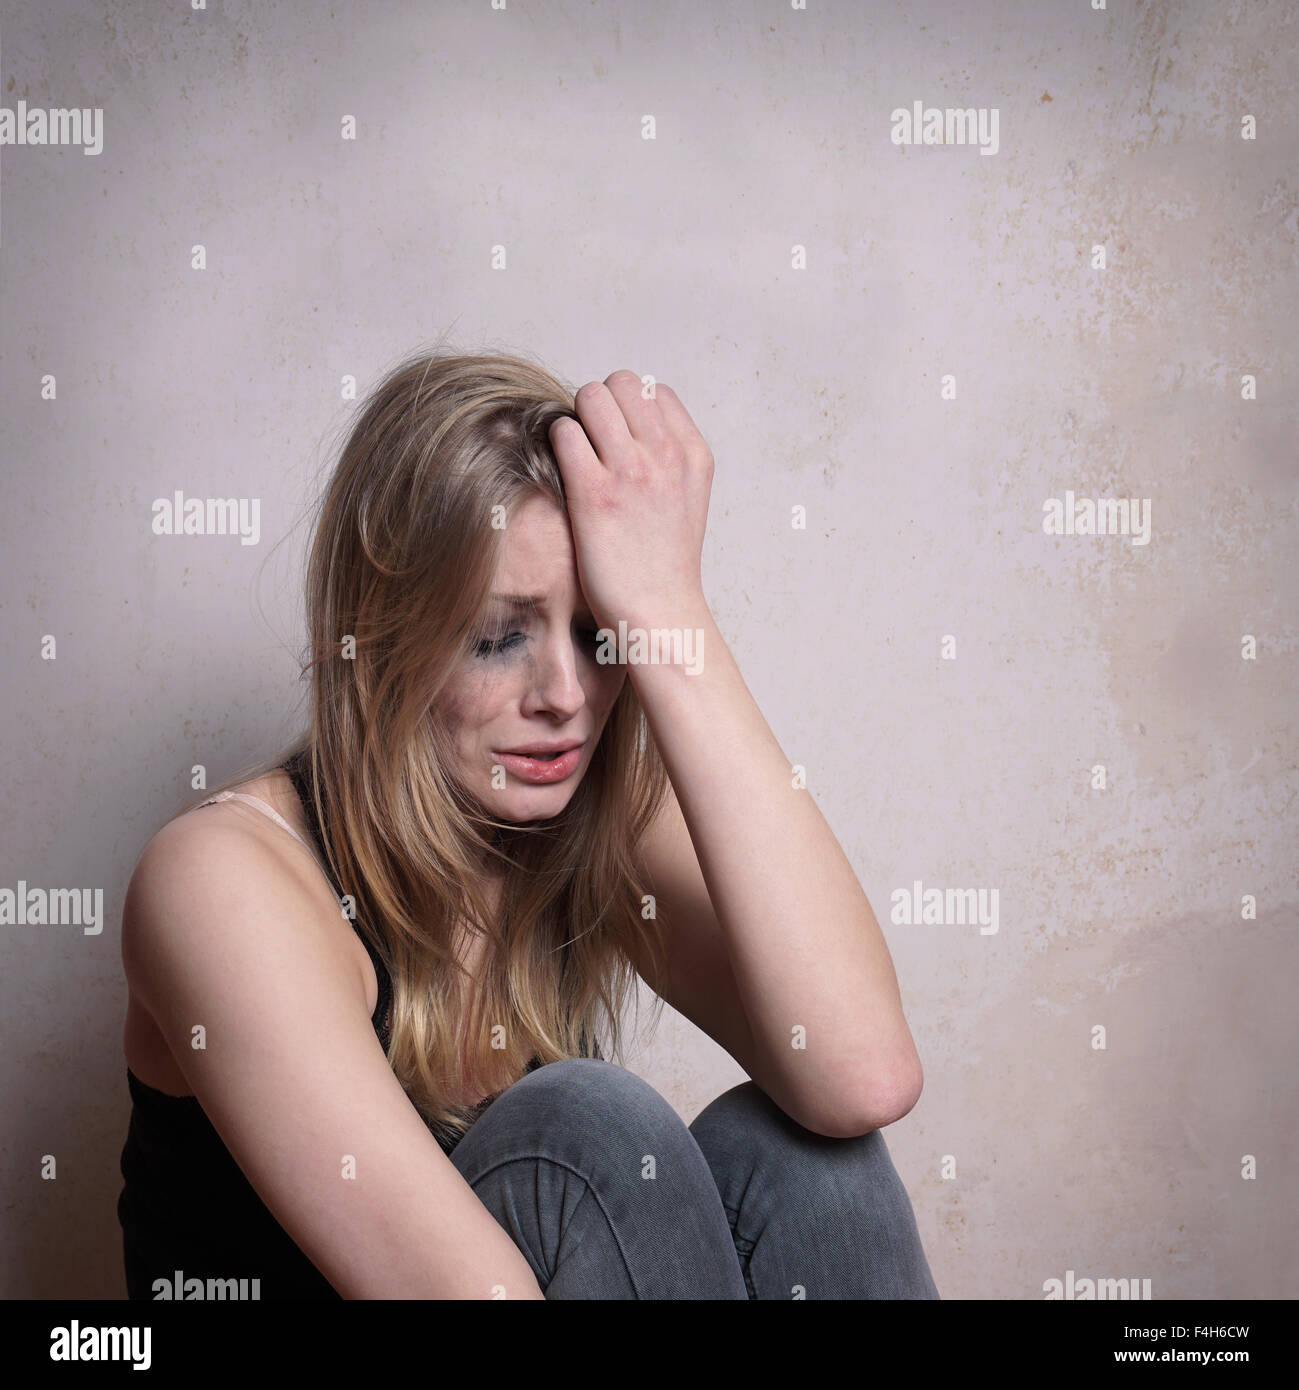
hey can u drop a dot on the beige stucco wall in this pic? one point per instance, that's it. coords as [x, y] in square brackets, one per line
[819, 387]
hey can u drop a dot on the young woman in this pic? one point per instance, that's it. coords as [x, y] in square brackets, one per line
[367, 984]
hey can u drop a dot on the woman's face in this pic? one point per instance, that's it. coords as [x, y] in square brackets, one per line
[532, 682]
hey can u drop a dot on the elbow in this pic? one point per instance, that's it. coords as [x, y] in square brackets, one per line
[883, 1104]
[889, 1109]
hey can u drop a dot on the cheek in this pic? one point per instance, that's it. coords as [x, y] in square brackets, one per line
[475, 699]
[467, 706]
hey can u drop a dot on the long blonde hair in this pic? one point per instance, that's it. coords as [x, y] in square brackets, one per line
[400, 568]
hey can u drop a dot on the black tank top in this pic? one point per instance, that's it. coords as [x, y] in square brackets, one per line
[186, 1205]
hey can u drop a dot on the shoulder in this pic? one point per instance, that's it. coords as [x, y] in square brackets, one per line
[221, 879]
[217, 845]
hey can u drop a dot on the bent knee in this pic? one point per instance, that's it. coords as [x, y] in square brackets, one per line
[609, 1106]
[581, 1084]
[745, 1123]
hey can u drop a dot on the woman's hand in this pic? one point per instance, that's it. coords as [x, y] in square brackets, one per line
[637, 476]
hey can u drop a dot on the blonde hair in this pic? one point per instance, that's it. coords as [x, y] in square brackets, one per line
[401, 563]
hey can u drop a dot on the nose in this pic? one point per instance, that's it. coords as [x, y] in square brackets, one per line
[557, 687]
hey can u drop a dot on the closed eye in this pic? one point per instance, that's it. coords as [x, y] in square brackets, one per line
[491, 646]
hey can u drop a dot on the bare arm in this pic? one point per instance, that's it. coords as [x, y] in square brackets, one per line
[803, 944]
[812, 972]
[216, 934]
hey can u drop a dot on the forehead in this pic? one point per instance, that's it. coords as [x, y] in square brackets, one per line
[536, 555]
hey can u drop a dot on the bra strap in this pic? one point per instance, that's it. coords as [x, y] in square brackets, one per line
[262, 806]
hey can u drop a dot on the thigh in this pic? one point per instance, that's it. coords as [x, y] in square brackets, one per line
[600, 1184]
[812, 1217]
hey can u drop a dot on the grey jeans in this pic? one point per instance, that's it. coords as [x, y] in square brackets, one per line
[609, 1194]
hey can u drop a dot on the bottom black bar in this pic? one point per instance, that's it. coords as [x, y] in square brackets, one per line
[1053, 1340]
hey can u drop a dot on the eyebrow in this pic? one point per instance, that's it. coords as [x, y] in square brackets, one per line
[531, 602]
[521, 600]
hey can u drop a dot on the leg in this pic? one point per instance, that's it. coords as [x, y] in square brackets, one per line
[598, 1182]
[812, 1217]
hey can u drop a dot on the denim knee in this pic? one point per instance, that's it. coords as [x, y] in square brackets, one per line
[604, 1124]
[597, 1105]
[599, 1181]
[817, 1217]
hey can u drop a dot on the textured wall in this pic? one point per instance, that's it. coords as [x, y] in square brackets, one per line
[949, 356]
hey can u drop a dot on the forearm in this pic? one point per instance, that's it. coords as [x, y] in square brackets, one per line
[809, 960]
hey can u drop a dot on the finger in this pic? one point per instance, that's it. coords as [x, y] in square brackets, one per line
[641, 413]
[677, 418]
[573, 452]
[603, 421]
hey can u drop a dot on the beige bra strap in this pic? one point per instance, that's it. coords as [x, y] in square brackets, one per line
[279, 820]
[261, 806]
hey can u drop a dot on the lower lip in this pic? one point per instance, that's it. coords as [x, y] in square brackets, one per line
[542, 770]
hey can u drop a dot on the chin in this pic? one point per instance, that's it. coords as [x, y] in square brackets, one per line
[522, 804]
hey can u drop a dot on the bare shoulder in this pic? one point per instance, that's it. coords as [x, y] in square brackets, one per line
[223, 872]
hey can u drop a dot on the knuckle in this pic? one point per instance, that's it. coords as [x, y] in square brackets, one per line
[674, 452]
